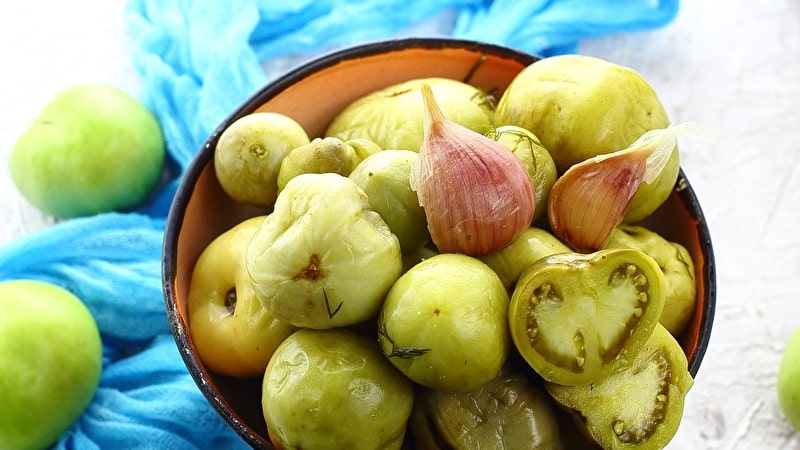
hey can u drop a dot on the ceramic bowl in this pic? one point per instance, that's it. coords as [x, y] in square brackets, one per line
[312, 94]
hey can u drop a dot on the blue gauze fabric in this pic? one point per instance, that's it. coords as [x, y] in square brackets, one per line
[198, 60]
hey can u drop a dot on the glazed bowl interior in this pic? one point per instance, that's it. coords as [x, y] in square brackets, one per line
[312, 95]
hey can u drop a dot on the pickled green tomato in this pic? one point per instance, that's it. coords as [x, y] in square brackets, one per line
[532, 245]
[321, 155]
[249, 153]
[443, 323]
[333, 388]
[323, 258]
[233, 332]
[581, 106]
[392, 117]
[541, 167]
[384, 177]
[577, 318]
[788, 385]
[677, 265]
[638, 408]
[507, 412]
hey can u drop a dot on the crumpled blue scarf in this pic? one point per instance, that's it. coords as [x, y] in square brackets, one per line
[198, 61]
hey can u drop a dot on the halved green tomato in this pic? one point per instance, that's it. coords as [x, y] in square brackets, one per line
[577, 318]
[639, 408]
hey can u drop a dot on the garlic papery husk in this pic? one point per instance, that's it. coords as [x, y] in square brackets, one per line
[477, 196]
[591, 198]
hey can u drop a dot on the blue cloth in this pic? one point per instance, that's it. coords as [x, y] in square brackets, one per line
[198, 61]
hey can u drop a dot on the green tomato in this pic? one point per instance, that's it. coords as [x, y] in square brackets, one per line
[333, 389]
[322, 155]
[532, 245]
[249, 153]
[577, 318]
[392, 117]
[323, 258]
[234, 333]
[52, 360]
[384, 177]
[582, 106]
[638, 408]
[92, 149]
[541, 167]
[507, 412]
[788, 386]
[443, 323]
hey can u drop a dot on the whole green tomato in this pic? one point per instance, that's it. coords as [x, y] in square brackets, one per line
[443, 323]
[332, 388]
[392, 117]
[52, 359]
[234, 333]
[93, 149]
[323, 258]
[384, 177]
[789, 380]
[250, 152]
[321, 155]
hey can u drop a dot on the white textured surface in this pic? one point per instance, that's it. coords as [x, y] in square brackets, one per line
[734, 65]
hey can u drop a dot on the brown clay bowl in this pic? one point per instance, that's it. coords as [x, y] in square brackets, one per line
[312, 94]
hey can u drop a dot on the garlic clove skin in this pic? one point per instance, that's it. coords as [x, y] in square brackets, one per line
[477, 195]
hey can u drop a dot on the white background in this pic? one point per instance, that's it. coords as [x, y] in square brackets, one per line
[734, 65]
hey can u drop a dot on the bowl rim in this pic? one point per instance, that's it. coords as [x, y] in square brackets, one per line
[204, 155]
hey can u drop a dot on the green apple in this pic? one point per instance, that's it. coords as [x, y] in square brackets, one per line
[52, 359]
[788, 385]
[233, 332]
[93, 149]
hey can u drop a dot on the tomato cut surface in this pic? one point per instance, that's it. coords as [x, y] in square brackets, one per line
[576, 318]
[638, 408]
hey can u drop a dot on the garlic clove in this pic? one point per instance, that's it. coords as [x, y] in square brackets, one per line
[591, 198]
[476, 194]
